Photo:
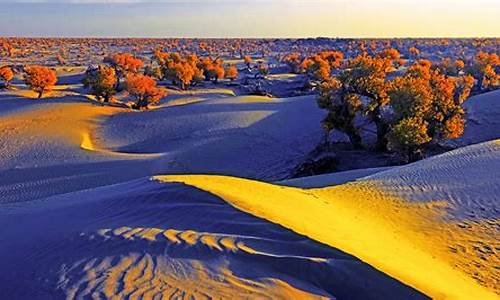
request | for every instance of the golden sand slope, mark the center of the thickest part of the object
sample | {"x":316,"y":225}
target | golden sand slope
{"x":408,"y":241}
{"x":65,"y":121}
{"x":71,"y":123}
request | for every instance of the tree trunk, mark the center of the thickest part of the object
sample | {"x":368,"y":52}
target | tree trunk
{"x":354,"y":137}
{"x":382,"y":129}
{"x":414,"y":155}
{"x":40,"y":93}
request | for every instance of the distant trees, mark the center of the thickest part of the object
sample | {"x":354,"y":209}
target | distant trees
{"x":6,"y":49}
{"x":483,"y":70}
{"x":248,"y":61}
{"x":263,"y":70}
{"x":451,"y":67}
{"x":293,"y":61}
{"x":319,"y":66}
{"x":40,"y":79}
{"x":102,"y":81}
{"x":414,"y":52}
{"x":143,"y":88}
{"x":6,"y":75}
{"x":188,"y":69}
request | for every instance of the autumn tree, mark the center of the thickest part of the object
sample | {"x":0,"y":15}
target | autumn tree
{"x":407,"y":136}
{"x":365,"y":76}
{"x":342,"y":107}
{"x":231,"y":72}
{"x":293,"y":61}
{"x":427,"y":107}
{"x":144,"y":90}
{"x":414,"y":52}
{"x":102,"y":81}
{"x":6,"y":49}
{"x":394,"y":56}
{"x":124,"y":64}
{"x":248,"y":61}
{"x":40,"y":79}
{"x":320,"y":65}
{"x":6,"y":75}
{"x":483,"y":70}
{"x":212,"y":69}
{"x":451,"y":67}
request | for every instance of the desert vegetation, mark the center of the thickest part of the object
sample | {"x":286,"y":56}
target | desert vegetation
{"x":408,"y":92}
{"x":40,"y":79}
{"x":143,"y":88}
{"x":117,"y":113}
{"x":6,"y":75}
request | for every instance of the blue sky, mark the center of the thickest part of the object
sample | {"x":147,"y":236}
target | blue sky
{"x":245,"y":18}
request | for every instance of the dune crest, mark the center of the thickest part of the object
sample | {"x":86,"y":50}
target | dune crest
{"x":411,"y":241}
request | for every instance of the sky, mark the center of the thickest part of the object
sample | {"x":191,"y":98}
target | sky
{"x":250,"y":18}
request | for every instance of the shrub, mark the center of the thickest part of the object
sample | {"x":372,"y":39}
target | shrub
{"x":6,"y":75}
{"x":231,"y":72}
{"x":40,"y":79}
{"x":101,"y":81}
{"x":144,"y":90}
{"x":124,"y":64}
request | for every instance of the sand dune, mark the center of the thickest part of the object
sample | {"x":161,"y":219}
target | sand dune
{"x":148,"y":238}
{"x":54,"y":146}
{"x":378,"y":220}
{"x":83,"y":218}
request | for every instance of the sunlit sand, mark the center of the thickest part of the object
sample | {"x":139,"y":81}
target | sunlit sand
{"x":203,"y":194}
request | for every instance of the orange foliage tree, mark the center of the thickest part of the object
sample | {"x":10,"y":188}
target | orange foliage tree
{"x":144,"y":90}
{"x":414,"y":52}
{"x":248,"y":61}
{"x":212,"y":69}
{"x":428,"y":107}
{"x":320,"y":65}
{"x":483,"y":70}
{"x":6,"y":75}
{"x":124,"y":64}
{"x":231,"y":72}
{"x":293,"y":61}
{"x":182,"y":69}
{"x":101,"y":81}
{"x":426,"y":104}
{"x":40,"y":79}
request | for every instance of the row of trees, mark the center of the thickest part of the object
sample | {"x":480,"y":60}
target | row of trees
{"x":105,"y":80}
{"x":184,"y":70}
{"x":319,"y":66}
{"x":188,"y":69}
{"x":409,"y":112}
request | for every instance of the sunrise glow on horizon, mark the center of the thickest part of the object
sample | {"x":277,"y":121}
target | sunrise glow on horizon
{"x":244,"y":18}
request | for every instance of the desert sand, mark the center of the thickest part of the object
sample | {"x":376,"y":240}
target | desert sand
{"x":103,"y":202}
